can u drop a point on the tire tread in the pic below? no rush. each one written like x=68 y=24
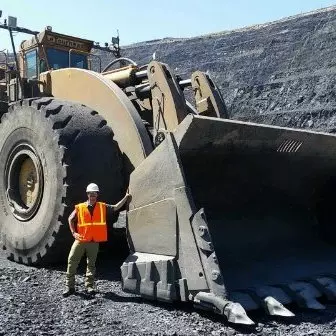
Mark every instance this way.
x=72 y=125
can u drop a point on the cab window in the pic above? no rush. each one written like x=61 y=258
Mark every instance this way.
x=31 y=64
x=59 y=59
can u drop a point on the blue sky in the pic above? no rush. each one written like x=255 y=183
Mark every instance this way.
x=147 y=19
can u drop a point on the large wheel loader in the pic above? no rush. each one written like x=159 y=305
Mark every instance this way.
x=230 y=216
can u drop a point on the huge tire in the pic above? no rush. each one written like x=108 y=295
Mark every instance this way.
x=49 y=151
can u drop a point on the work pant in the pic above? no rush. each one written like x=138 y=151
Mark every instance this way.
x=76 y=253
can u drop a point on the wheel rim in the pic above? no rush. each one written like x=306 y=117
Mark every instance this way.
x=24 y=181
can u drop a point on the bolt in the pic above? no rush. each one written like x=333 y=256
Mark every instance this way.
x=215 y=275
x=30 y=181
x=202 y=230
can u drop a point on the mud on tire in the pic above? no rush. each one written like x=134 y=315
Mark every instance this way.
x=49 y=151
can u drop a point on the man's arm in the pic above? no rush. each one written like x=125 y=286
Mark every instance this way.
x=72 y=221
x=116 y=207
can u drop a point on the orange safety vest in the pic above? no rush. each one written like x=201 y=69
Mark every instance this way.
x=92 y=228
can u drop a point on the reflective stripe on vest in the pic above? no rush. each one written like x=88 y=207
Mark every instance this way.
x=92 y=228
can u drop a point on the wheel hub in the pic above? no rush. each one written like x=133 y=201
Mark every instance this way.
x=24 y=181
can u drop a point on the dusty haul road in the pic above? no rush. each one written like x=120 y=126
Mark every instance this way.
x=31 y=304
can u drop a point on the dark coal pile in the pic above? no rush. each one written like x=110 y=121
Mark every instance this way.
x=31 y=304
x=282 y=73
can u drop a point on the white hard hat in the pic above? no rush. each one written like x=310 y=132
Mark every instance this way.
x=92 y=187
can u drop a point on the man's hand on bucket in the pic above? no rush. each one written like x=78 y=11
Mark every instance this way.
x=77 y=236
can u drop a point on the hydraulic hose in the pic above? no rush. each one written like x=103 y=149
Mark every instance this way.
x=119 y=60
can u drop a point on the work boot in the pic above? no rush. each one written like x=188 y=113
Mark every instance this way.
x=69 y=291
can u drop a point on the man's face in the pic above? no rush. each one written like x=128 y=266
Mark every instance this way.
x=92 y=197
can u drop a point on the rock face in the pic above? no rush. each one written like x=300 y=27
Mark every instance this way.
x=281 y=73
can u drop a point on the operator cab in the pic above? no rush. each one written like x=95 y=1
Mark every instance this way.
x=52 y=51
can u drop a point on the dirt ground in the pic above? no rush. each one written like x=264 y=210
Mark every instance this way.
x=31 y=304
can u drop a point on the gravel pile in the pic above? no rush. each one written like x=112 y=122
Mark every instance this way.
x=31 y=304
x=282 y=73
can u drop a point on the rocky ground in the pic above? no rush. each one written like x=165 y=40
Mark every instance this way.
x=31 y=304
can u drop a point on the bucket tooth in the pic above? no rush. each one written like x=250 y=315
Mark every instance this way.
x=274 y=291
x=265 y=297
x=327 y=286
x=235 y=313
x=275 y=308
x=305 y=295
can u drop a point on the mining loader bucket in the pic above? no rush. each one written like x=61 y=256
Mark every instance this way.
x=235 y=216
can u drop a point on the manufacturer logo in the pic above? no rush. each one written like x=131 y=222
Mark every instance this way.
x=66 y=43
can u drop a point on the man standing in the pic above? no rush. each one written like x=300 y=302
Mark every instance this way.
x=91 y=230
